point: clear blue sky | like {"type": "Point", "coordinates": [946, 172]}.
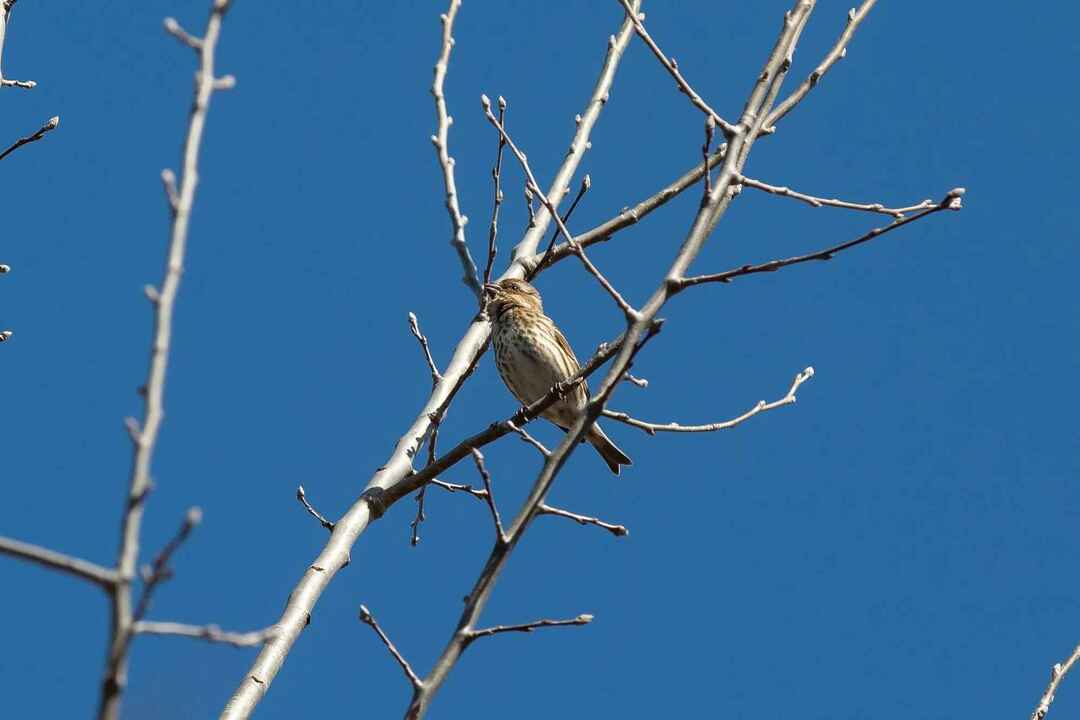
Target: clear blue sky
{"type": "Point", "coordinates": [900, 544]}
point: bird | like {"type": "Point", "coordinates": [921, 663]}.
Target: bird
{"type": "Point", "coordinates": [532, 355]}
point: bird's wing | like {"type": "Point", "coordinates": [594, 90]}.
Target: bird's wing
{"type": "Point", "coordinates": [565, 347]}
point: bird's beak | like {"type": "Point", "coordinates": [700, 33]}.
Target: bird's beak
{"type": "Point", "coordinates": [491, 289]}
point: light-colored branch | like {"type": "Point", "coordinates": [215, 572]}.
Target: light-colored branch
{"type": "Point", "coordinates": [673, 69]}
{"type": "Point", "coordinates": [489, 496]}
{"type": "Point", "coordinates": [160, 571]}
{"type": "Point", "coordinates": [583, 619]}
{"type": "Point", "coordinates": [77, 567]}
{"type": "Point", "coordinates": [396, 473]}
{"type": "Point", "coordinates": [368, 619]}
{"type": "Point", "coordinates": [302, 498]}
{"type": "Point", "coordinates": [616, 530]}
{"type": "Point", "coordinates": [760, 407]}
{"type": "Point", "coordinates": [1057, 674]}
{"type": "Point", "coordinates": [5, 19]}
{"type": "Point", "coordinates": [442, 148]}
{"type": "Point", "coordinates": [145, 434]}
{"type": "Point", "coordinates": [575, 246]}
{"type": "Point", "coordinates": [838, 51]}
{"type": "Point", "coordinates": [50, 124]}
{"type": "Point", "coordinates": [586, 183]}
{"type": "Point", "coordinates": [210, 633]}
{"type": "Point", "coordinates": [951, 201]}
{"type": "Point", "coordinates": [812, 201]}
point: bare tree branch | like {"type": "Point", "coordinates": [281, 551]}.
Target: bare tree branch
{"type": "Point", "coordinates": [50, 124]}
{"type": "Point", "coordinates": [576, 248]}
{"type": "Point", "coordinates": [368, 619]}
{"type": "Point", "coordinates": [586, 183]}
{"type": "Point", "coordinates": [395, 473]}
{"type": "Point", "coordinates": [160, 571]}
{"type": "Point", "coordinates": [496, 176]}
{"type": "Point", "coordinates": [302, 497]}
{"type": "Point", "coordinates": [414, 328]}
{"type": "Point", "coordinates": [760, 407]}
{"type": "Point", "coordinates": [122, 618]}
{"type": "Point", "coordinates": [104, 577]}
{"type": "Point", "coordinates": [5, 18]}
{"type": "Point", "coordinates": [583, 619]}
{"type": "Point", "coordinates": [616, 530]}
{"type": "Point", "coordinates": [951, 201]}
{"type": "Point", "coordinates": [1057, 674]}
{"type": "Point", "coordinates": [838, 51]}
{"type": "Point", "coordinates": [673, 69]}
{"type": "Point", "coordinates": [210, 633]}
{"type": "Point", "coordinates": [489, 496]}
{"type": "Point", "coordinates": [441, 142]}
{"type": "Point", "coordinates": [833, 202]}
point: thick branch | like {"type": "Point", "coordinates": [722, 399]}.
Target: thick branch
{"type": "Point", "coordinates": [210, 633]}
{"type": "Point", "coordinates": [760, 407]}
{"type": "Point", "coordinates": [951, 201]}
{"type": "Point", "coordinates": [1057, 674]}
{"type": "Point", "coordinates": [145, 436]}
{"type": "Point", "coordinates": [395, 472]}
{"type": "Point", "coordinates": [82, 569]}
{"type": "Point", "coordinates": [441, 142]}
{"type": "Point", "coordinates": [50, 124]}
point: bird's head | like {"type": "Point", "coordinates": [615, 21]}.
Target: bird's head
{"type": "Point", "coordinates": [511, 293]}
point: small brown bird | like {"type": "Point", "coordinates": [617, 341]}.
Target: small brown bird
{"type": "Point", "coordinates": [532, 356]}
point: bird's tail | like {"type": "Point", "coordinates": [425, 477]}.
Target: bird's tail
{"type": "Point", "coordinates": [613, 456]}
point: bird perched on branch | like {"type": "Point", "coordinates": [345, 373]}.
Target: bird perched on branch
{"type": "Point", "coordinates": [532, 356]}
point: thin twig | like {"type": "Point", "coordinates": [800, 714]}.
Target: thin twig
{"type": "Point", "coordinates": [636, 381]}
{"type": "Point", "coordinates": [951, 201]}
{"type": "Point", "coordinates": [496, 176]}
{"type": "Point", "coordinates": [5, 18]}
{"type": "Point", "coordinates": [673, 69]}
{"type": "Point", "coordinates": [586, 183]}
{"type": "Point", "coordinates": [368, 619]}
{"type": "Point", "coordinates": [159, 571]}
{"type": "Point", "coordinates": [302, 497]}
{"type": "Point", "coordinates": [628, 311]}
{"type": "Point", "coordinates": [583, 619]}
{"type": "Point", "coordinates": [529, 197]}
{"type": "Point", "coordinates": [838, 51]}
{"type": "Point", "coordinates": [77, 567]}
{"type": "Point", "coordinates": [529, 439]}
{"type": "Point", "coordinates": [710, 128]}
{"type": "Point", "coordinates": [441, 142]}
{"type": "Point", "coordinates": [210, 633]}
{"type": "Point", "coordinates": [1057, 674]}
{"type": "Point", "coordinates": [760, 407]}
{"type": "Point", "coordinates": [50, 124]}
{"type": "Point", "coordinates": [898, 212]}
{"type": "Point", "coordinates": [616, 530]}
{"type": "Point", "coordinates": [414, 328]}
{"type": "Point", "coordinates": [489, 496]}
{"type": "Point", "coordinates": [114, 679]}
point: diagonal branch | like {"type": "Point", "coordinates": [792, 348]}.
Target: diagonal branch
{"type": "Point", "coordinates": [760, 407]}
{"type": "Point", "coordinates": [951, 201]}
{"type": "Point", "coordinates": [104, 577]}
{"type": "Point", "coordinates": [441, 142]}
{"type": "Point", "coordinates": [50, 124]}
{"type": "Point", "coordinates": [414, 328]}
{"type": "Point", "coordinates": [5, 19]}
{"type": "Point", "coordinates": [489, 496]}
{"type": "Point", "coordinates": [210, 633]}
{"type": "Point", "coordinates": [160, 571]}
{"type": "Point", "coordinates": [301, 496]}
{"type": "Point", "coordinates": [1057, 674]}
{"type": "Point", "coordinates": [673, 69]}
{"type": "Point", "coordinates": [368, 619]}
{"type": "Point", "coordinates": [586, 183]}
{"type": "Point", "coordinates": [833, 202]}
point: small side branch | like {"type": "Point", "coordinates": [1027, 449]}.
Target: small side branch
{"type": "Point", "coordinates": [838, 51]}
{"type": "Point", "coordinates": [1057, 674]}
{"type": "Point", "coordinates": [77, 567]}
{"type": "Point", "coordinates": [5, 17]}
{"type": "Point", "coordinates": [630, 313]}
{"type": "Point", "coordinates": [951, 201]}
{"type": "Point", "coordinates": [616, 530]}
{"type": "Point", "coordinates": [441, 142]}
{"type": "Point", "coordinates": [210, 633]}
{"type": "Point", "coordinates": [496, 176]}
{"type": "Point", "coordinates": [414, 328]}
{"type": "Point", "coordinates": [159, 570]}
{"type": "Point", "coordinates": [583, 619]}
{"type": "Point", "coordinates": [673, 69]}
{"type": "Point", "coordinates": [489, 496]}
{"type": "Point", "coordinates": [586, 184]}
{"type": "Point", "coordinates": [311, 510]}
{"type": "Point", "coordinates": [832, 202]}
{"type": "Point", "coordinates": [50, 125]}
{"type": "Point", "coordinates": [368, 619]}
{"type": "Point", "coordinates": [760, 407]}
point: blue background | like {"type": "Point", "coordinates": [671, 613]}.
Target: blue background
{"type": "Point", "coordinates": [902, 543]}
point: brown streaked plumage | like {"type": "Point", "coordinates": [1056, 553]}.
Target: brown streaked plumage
{"type": "Point", "coordinates": [532, 356]}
